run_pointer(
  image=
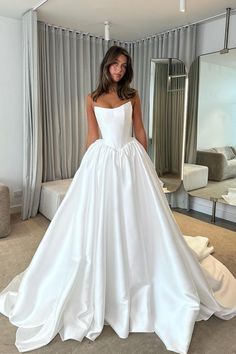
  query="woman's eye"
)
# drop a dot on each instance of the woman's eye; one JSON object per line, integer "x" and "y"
{"x": 116, "y": 64}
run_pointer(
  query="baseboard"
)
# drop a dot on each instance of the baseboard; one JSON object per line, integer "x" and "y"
{"x": 15, "y": 209}
{"x": 223, "y": 211}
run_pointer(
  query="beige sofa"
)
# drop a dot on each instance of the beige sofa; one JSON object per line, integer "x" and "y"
{"x": 221, "y": 162}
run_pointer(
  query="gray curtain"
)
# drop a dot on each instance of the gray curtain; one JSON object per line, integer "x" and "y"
{"x": 69, "y": 63}
{"x": 192, "y": 112}
{"x": 32, "y": 129}
{"x": 179, "y": 44}
{"x": 159, "y": 137}
{"x": 168, "y": 118}
{"x": 68, "y": 67}
{"x": 175, "y": 120}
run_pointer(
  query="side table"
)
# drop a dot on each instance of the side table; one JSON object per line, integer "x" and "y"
{"x": 213, "y": 212}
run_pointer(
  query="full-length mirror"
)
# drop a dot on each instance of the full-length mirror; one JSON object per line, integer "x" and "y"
{"x": 210, "y": 169}
{"x": 166, "y": 121}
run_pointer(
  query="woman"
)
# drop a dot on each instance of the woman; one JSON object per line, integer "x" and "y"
{"x": 116, "y": 73}
{"x": 113, "y": 253}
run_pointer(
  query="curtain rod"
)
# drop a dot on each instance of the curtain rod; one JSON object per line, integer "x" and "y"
{"x": 148, "y": 37}
{"x": 71, "y": 30}
{"x": 40, "y": 4}
{"x": 212, "y": 17}
{"x": 35, "y": 8}
{"x": 189, "y": 24}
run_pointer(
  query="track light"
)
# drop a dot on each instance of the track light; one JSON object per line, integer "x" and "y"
{"x": 182, "y": 5}
{"x": 107, "y": 34}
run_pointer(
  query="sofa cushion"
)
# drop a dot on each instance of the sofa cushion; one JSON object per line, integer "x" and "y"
{"x": 232, "y": 162}
{"x": 210, "y": 150}
{"x": 234, "y": 149}
{"x": 227, "y": 151}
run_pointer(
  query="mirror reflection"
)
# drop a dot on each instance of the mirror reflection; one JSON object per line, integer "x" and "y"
{"x": 210, "y": 160}
{"x": 166, "y": 121}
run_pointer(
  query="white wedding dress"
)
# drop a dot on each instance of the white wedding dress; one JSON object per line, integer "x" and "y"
{"x": 113, "y": 254}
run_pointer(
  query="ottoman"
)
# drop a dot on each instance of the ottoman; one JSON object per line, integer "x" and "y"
{"x": 4, "y": 210}
{"x": 195, "y": 176}
{"x": 51, "y": 196}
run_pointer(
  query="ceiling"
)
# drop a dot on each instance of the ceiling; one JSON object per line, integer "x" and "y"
{"x": 129, "y": 21}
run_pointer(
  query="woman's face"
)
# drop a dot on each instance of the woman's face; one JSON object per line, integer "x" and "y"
{"x": 117, "y": 70}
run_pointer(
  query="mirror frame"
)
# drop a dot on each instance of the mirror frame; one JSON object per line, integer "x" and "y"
{"x": 189, "y": 192}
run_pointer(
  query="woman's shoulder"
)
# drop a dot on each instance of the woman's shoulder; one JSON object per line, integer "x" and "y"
{"x": 89, "y": 96}
{"x": 136, "y": 97}
{"x": 90, "y": 99}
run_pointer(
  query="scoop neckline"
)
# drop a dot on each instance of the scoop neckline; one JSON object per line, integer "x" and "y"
{"x": 113, "y": 107}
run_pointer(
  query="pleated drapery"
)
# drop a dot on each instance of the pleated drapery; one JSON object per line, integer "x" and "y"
{"x": 68, "y": 63}
{"x": 32, "y": 119}
{"x": 167, "y": 137}
{"x": 68, "y": 66}
{"x": 159, "y": 139}
{"x": 178, "y": 44}
{"x": 175, "y": 124}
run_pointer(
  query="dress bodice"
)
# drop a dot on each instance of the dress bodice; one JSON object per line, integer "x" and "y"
{"x": 115, "y": 124}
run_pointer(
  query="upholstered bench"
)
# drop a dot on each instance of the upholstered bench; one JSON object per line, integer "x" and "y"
{"x": 4, "y": 210}
{"x": 195, "y": 176}
{"x": 51, "y": 196}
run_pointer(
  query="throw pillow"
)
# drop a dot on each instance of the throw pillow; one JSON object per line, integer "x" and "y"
{"x": 227, "y": 151}
{"x": 234, "y": 149}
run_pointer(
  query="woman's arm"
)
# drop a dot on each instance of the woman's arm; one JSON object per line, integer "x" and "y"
{"x": 93, "y": 129}
{"x": 139, "y": 130}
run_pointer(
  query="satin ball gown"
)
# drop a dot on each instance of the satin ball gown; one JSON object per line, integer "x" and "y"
{"x": 114, "y": 255}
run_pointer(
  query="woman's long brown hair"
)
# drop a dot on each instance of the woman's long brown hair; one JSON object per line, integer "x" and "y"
{"x": 124, "y": 90}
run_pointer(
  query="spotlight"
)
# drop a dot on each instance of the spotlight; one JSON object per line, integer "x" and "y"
{"x": 182, "y": 5}
{"x": 107, "y": 32}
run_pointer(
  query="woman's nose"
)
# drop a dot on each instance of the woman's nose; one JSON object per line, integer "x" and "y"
{"x": 119, "y": 69}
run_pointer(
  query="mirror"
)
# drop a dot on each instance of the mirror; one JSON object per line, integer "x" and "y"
{"x": 166, "y": 121}
{"x": 210, "y": 159}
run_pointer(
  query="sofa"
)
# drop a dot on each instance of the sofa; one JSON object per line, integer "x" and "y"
{"x": 221, "y": 162}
